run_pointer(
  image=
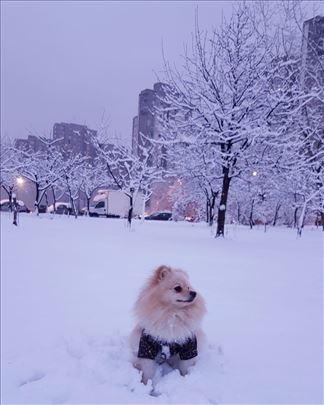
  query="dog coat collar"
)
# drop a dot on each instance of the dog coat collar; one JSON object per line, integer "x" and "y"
{"x": 158, "y": 350}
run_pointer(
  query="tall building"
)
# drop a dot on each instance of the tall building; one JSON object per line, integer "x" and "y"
{"x": 312, "y": 53}
{"x": 146, "y": 125}
{"x": 75, "y": 139}
{"x": 72, "y": 139}
{"x": 32, "y": 143}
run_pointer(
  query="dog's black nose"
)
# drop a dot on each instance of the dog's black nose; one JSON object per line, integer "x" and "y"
{"x": 193, "y": 294}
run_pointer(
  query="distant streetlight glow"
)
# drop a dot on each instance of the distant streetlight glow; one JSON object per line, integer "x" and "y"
{"x": 20, "y": 181}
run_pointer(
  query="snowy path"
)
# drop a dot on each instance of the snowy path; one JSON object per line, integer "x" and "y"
{"x": 68, "y": 288}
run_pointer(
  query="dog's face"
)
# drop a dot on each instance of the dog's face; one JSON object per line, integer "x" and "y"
{"x": 168, "y": 307}
{"x": 173, "y": 287}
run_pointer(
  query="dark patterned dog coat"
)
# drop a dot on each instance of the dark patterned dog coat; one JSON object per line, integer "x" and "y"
{"x": 154, "y": 349}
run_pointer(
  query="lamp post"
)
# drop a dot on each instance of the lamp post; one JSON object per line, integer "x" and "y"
{"x": 19, "y": 182}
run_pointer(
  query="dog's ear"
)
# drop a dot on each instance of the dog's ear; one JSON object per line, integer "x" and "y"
{"x": 161, "y": 272}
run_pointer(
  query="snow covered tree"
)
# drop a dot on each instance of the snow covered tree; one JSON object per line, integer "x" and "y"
{"x": 10, "y": 168}
{"x": 218, "y": 100}
{"x": 72, "y": 178}
{"x": 193, "y": 165}
{"x": 42, "y": 167}
{"x": 92, "y": 175}
{"x": 131, "y": 172}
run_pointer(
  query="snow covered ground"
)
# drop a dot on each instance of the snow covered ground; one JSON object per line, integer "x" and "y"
{"x": 68, "y": 287}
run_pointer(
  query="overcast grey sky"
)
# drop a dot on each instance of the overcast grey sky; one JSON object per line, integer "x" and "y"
{"x": 71, "y": 61}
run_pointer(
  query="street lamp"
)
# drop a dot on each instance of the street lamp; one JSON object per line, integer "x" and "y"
{"x": 19, "y": 181}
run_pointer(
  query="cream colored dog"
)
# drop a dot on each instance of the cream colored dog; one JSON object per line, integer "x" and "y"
{"x": 169, "y": 313}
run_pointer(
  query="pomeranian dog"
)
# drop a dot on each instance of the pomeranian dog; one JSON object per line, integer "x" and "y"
{"x": 169, "y": 313}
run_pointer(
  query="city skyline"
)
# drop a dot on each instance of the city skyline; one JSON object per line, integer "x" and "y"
{"x": 85, "y": 76}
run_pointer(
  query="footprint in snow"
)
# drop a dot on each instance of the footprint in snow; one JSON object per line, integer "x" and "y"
{"x": 36, "y": 376}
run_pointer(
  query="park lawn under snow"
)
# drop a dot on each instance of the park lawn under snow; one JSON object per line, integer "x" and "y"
{"x": 68, "y": 287}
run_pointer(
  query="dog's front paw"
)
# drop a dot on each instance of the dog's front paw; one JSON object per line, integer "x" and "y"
{"x": 148, "y": 368}
{"x": 184, "y": 366}
{"x": 155, "y": 393}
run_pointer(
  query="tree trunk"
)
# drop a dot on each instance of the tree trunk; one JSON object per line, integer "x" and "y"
{"x": 295, "y": 217}
{"x": 75, "y": 212}
{"x": 71, "y": 199}
{"x": 211, "y": 215}
{"x": 78, "y": 203}
{"x": 251, "y": 222}
{"x": 88, "y": 204}
{"x": 278, "y": 206}
{"x": 130, "y": 211}
{"x": 212, "y": 208}
{"x": 10, "y": 197}
{"x": 37, "y": 198}
{"x": 207, "y": 211}
{"x": 54, "y": 200}
{"x": 46, "y": 199}
{"x": 301, "y": 220}
{"x": 145, "y": 199}
{"x": 15, "y": 211}
{"x": 295, "y": 211}
{"x": 223, "y": 202}
{"x": 238, "y": 212}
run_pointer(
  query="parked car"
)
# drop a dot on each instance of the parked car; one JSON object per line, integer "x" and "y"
{"x": 160, "y": 216}
{"x": 42, "y": 209}
{"x": 5, "y": 206}
{"x": 83, "y": 211}
{"x": 189, "y": 218}
{"x": 60, "y": 208}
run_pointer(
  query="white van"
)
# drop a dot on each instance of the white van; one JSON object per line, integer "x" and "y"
{"x": 114, "y": 204}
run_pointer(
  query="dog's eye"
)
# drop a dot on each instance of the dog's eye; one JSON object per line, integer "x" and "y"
{"x": 178, "y": 289}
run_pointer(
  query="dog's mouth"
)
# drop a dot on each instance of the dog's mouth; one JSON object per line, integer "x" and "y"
{"x": 188, "y": 300}
{"x": 192, "y": 296}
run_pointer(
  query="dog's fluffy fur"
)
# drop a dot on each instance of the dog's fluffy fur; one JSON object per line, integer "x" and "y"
{"x": 168, "y": 315}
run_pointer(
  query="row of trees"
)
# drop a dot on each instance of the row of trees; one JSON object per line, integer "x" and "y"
{"x": 57, "y": 172}
{"x": 52, "y": 171}
{"x": 261, "y": 196}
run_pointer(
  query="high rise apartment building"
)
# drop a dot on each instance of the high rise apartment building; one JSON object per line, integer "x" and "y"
{"x": 75, "y": 139}
{"x": 32, "y": 143}
{"x": 146, "y": 125}
{"x": 72, "y": 139}
{"x": 312, "y": 53}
